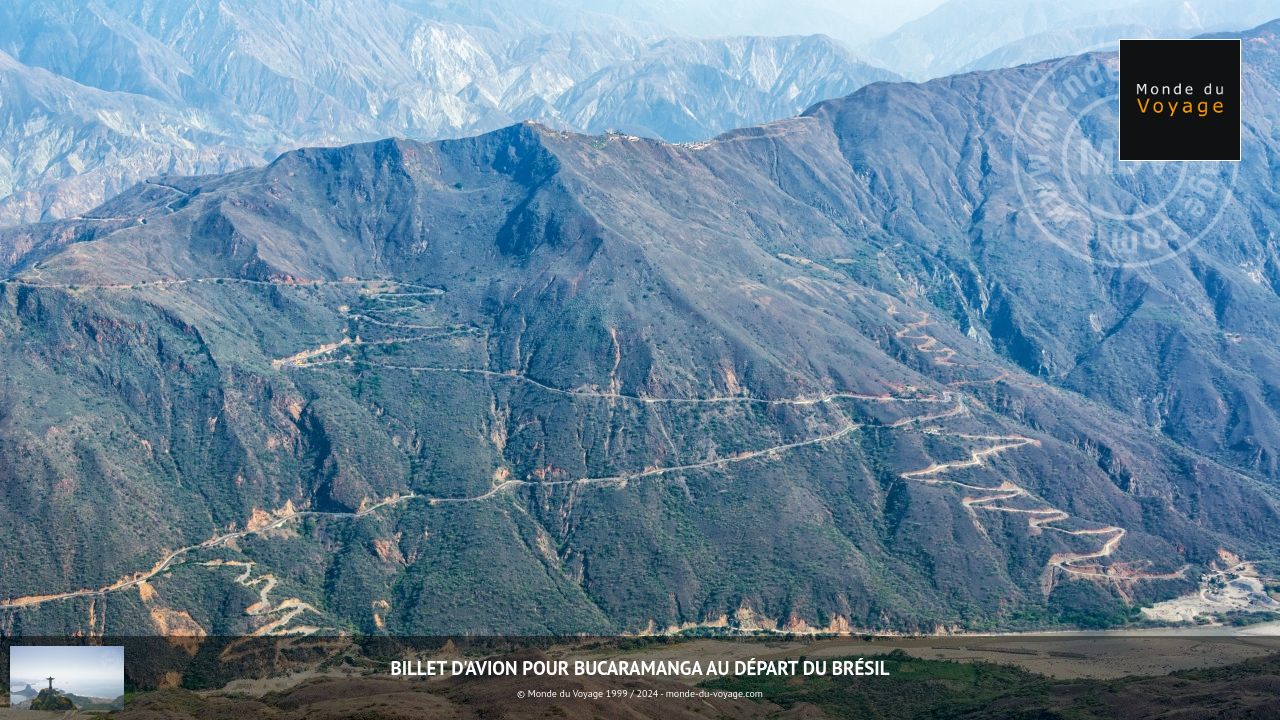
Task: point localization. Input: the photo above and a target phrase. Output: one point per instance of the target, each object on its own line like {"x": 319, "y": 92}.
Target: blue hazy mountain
{"x": 961, "y": 35}
{"x": 100, "y": 95}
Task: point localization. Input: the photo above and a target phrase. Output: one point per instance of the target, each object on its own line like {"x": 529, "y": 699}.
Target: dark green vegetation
{"x": 941, "y": 690}
{"x": 52, "y": 700}
{"x": 819, "y": 374}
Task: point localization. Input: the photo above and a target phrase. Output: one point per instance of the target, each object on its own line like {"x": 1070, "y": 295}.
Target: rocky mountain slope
{"x": 67, "y": 146}
{"x": 101, "y": 95}
{"x": 805, "y": 375}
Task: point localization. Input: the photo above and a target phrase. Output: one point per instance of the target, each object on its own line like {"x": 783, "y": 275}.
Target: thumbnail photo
{"x": 62, "y": 678}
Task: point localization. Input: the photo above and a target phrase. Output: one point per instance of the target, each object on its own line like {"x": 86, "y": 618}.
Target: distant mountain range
{"x": 99, "y": 95}
{"x": 831, "y": 372}
{"x": 965, "y": 35}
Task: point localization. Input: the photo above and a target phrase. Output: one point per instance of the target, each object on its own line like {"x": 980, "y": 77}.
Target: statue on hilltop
{"x": 51, "y": 699}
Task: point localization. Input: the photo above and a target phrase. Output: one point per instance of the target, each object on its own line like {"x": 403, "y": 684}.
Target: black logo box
{"x": 1186, "y": 65}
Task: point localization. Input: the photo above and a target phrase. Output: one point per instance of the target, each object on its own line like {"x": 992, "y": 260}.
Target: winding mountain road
{"x": 999, "y": 498}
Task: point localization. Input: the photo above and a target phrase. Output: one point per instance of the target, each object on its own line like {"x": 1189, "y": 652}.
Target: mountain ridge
{"x": 243, "y": 68}
{"x": 802, "y": 375}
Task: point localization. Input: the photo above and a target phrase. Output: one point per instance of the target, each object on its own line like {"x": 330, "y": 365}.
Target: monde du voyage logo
{"x": 1178, "y": 106}
{"x": 1180, "y": 99}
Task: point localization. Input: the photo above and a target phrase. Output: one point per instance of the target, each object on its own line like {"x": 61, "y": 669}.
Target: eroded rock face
{"x": 101, "y": 97}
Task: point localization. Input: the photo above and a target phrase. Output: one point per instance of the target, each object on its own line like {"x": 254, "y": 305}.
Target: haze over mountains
{"x": 822, "y": 373}
{"x": 100, "y": 95}
{"x": 964, "y": 35}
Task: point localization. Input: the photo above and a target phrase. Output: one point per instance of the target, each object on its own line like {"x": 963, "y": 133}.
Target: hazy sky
{"x": 85, "y": 670}
{"x": 853, "y": 21}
